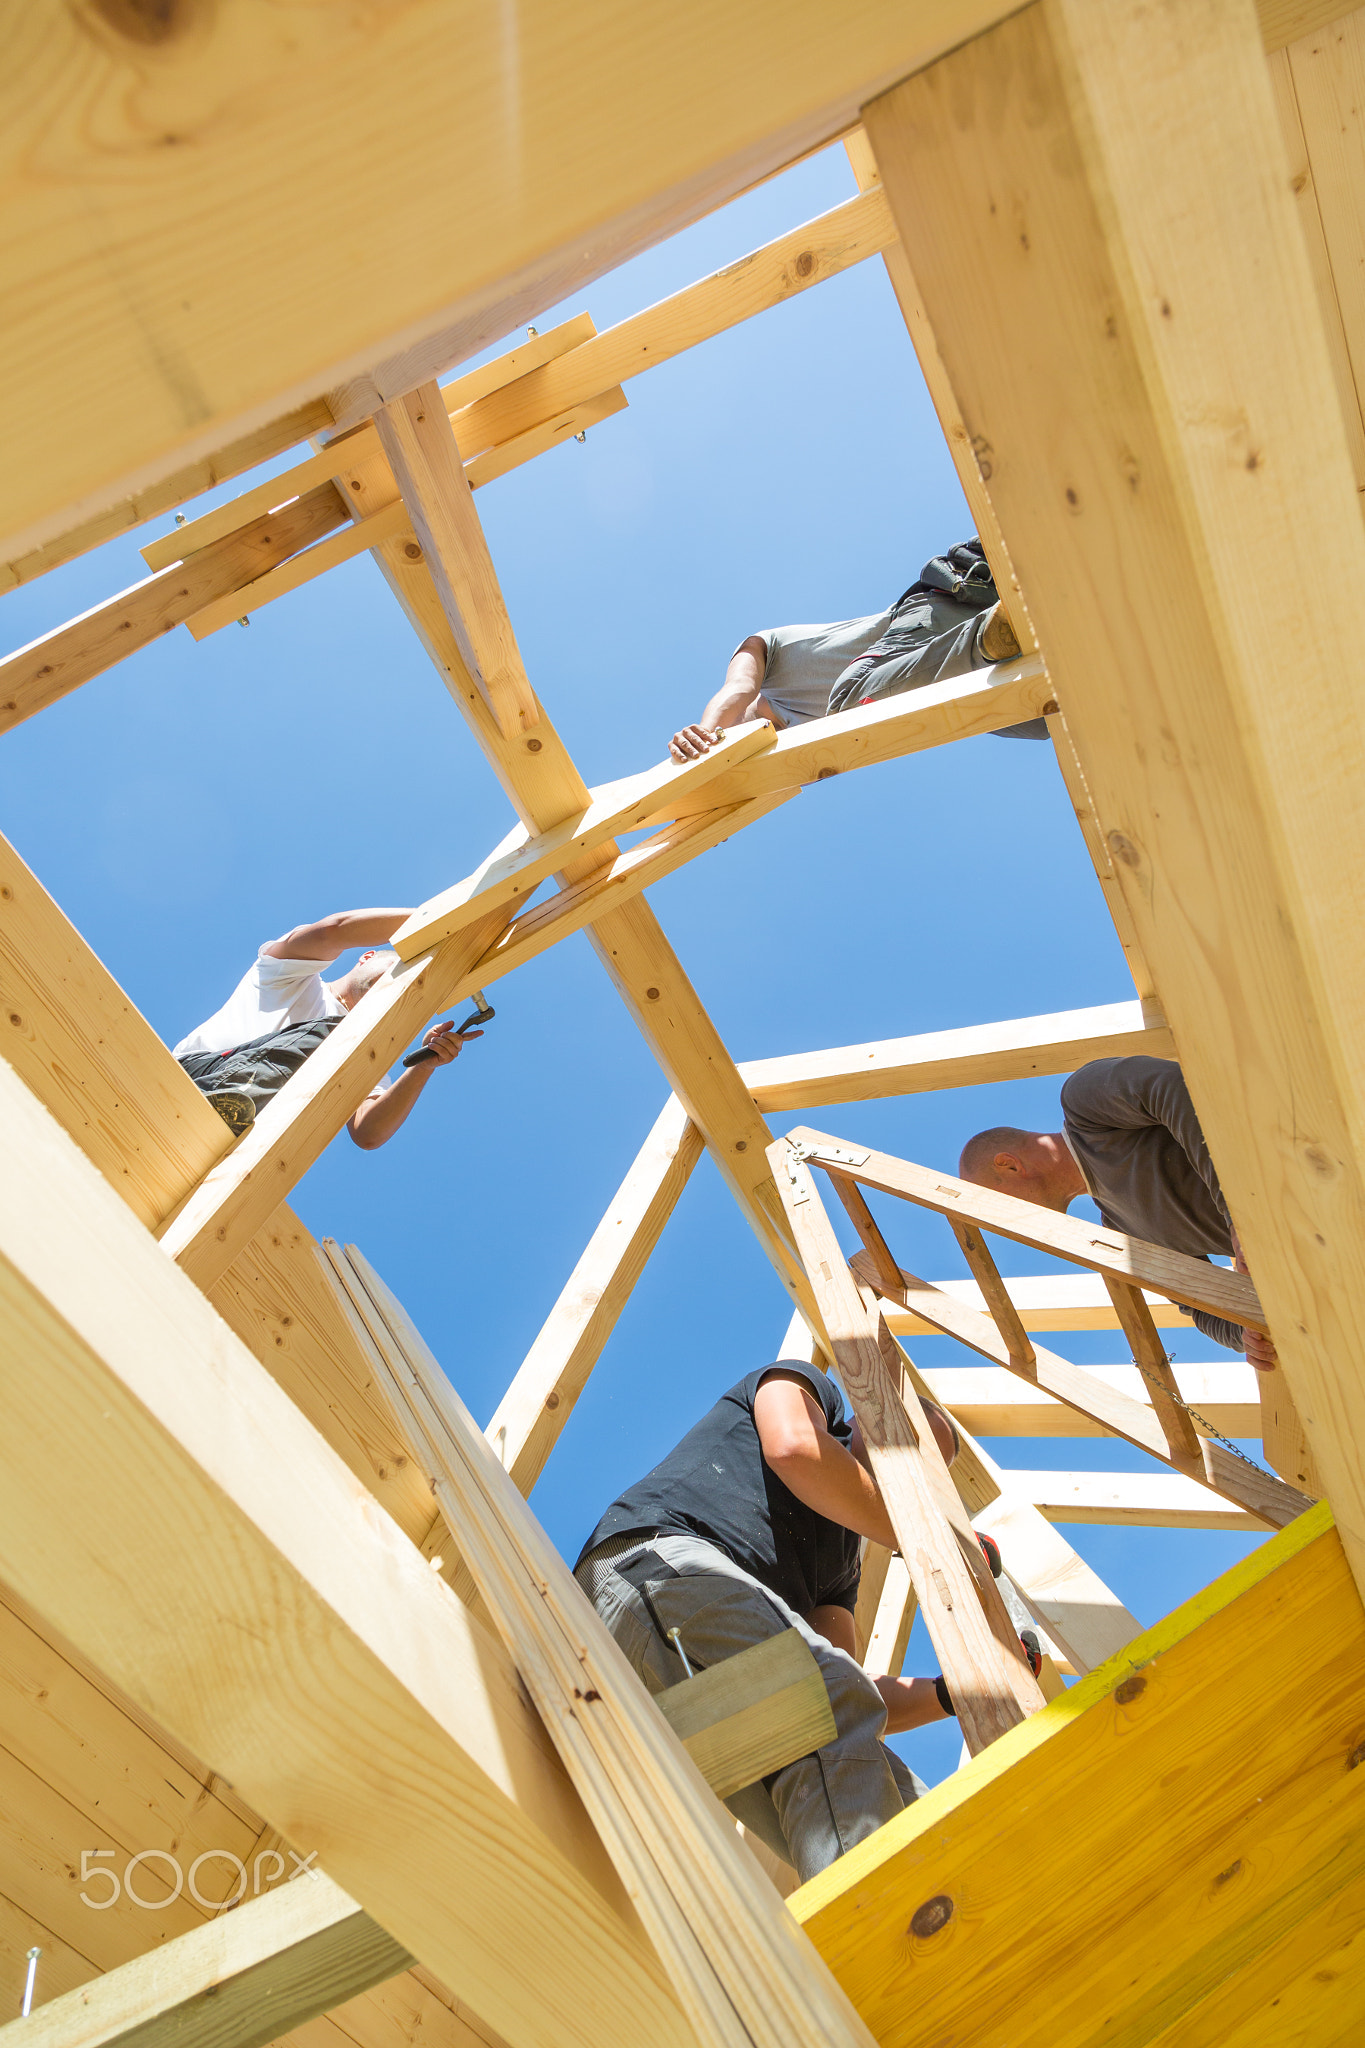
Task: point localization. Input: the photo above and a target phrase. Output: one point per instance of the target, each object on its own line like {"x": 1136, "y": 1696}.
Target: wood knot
{"x": 1356, "y": 1758}
{"x": 146, "y": 21}
{"x": 1132, "y": 1689}
{"x": 934, "y": 1914}
{"x": 1123, "y": 849}
{"x": 411, "y": 548}
{"x": 1226, "y": 1876}
{"x": 533, "y": 746}
{"x": 552, "y": 1400}
{"x": 651, "y": 995}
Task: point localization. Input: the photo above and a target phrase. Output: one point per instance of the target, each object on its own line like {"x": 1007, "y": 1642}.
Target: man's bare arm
{"x": 332, "y": 936}
{"x": 739, "y": 697}
{"x": 385, "y": 1109}
{"x": 806, "y": 1458}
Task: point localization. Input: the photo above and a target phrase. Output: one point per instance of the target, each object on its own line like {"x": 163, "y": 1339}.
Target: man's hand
{"x": 692, "y": 741}
{"x": 1260, "y": 1352}
{"x": 443, "y": 1042}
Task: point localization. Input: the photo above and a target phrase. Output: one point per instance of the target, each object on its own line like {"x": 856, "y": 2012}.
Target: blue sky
{"x": 199, "y": 799}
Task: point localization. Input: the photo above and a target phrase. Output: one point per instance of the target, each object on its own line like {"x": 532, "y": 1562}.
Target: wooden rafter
{"x": 1224, "y": 746}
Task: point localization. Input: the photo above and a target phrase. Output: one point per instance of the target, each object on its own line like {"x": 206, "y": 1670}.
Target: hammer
{"x": 473, "y": 1022}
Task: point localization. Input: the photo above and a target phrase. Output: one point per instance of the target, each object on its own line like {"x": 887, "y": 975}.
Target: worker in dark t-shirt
{"x": 1131, "y": 1140}
{"x": 749, "y": 1527}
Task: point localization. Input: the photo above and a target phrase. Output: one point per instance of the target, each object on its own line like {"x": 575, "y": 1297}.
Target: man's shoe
{"x": 1033, "y": 1650}
{"x": 998, "y": 639}
{"x": 992, "y": 1550}
{"x": 235, "y": 1107}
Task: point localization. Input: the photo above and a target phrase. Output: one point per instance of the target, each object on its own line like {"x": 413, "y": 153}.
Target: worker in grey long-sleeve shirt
{"x": 1131, "y": 1140}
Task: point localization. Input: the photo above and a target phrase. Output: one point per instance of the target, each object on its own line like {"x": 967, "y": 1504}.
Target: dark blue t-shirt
{"x": 716, "y": 1485}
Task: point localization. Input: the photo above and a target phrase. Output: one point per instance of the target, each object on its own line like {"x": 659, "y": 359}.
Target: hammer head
{"x": 480, "y": 1016}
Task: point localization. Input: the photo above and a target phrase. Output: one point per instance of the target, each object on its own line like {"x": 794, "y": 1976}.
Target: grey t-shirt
{"x": 805, "y": 662}
{"x": 1132, "y": 1127}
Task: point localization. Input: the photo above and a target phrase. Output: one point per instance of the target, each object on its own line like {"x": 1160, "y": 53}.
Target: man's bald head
{"x": 980, "y": 1153}
{"x": 1033, "y": 1166}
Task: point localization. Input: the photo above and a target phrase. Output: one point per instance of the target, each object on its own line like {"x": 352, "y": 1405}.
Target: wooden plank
{"x": 511, "y": 876}
{"x": 1065, "y": 1596}
{"x": 959, "y": 709}
{"x": 545, "y": 788}
{"x": 1132, "y": 1500}
{"x": 967, "y": 1057}
{"x": 991, "y": 1401}
{"x": 887, "y": 1643}
{"x": 1327, "y": 70}
{"x": 751, "y": 1714}
{"x": 565, "y": 426}
{"x": 51, "y": 667}
{"x": 995, "y": 1294}
{"x": 1225, "y": 745}
{"x": 872, "y": 1580}
{"x": 416, "y": 435}
{"x": 740, "y": 1971}
{"x": 1276, "y": 1503}
{"x": 1110, "y": 1253}
{"x": 83, "y": 1048}
{"x": 1149, "y": 1356}
{"x": 528, "y": 1419}
{"x": 243, "y": 1980}
{"x": 602, "y": 161}
{"x": 1046, "y": 1301}
{"x": 1168, "y": 1898}
{"x": 234, "y": 1200}
{"x": 232, "y": 460}
{"x": 992, "y": 1688}
{"x": 1283, "y": 83}
{"x": 244, "y": 598}
{"x": 361, "y": 444}
{"x": 309, "y": 1654}
{"x": 1284, "y": 1440}
{"x": 819, "y": 249}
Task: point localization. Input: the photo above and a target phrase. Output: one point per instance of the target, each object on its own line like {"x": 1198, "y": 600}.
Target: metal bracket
{"x": 799, "y": 1153}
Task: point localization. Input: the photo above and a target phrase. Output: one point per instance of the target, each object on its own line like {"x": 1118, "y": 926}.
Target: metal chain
{"x": 1203, "y": 1422}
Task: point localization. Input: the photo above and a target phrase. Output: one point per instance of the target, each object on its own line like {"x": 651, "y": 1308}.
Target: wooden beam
{"x": 1046, "y": 1301}
{"x": 752, "y": 1713}
{"x": 1316, "y": 81}
{"x": 1135, "y": 1500}
{"x": 895, "y": 1616}
{"x": 232, "y": 460}
{"x": 80, "y": 1045}
{"x": 361, "y": 444}
{"x": 271, "y": 1617}
{"x": 741, "y": 1974}
{"x": 234, "y": 1200}
{"x": 530, "y": 1416}
{"x": 246, "y": 1978}
{"x": 959, "y": 709}
{"x": 1066, "y": 1597}
{"x": 968, "y": 1057}
{"x": 993, "y": 1689}
{"x": 1110, "y": 1253}
{"x": 416, "y": 436}
{"x": 511, "y": 875}
{"x": 992, "y": 1401}
{"x": 545, "y": 788}
{"x": 596, "y": 164}
{"x": 1276, "y": 1808}
{"x": 51, "y": 667}
{"x": 1163, "y": 285}
{"x": 1224, "y": 1473}
{"x": 807, "y": 255}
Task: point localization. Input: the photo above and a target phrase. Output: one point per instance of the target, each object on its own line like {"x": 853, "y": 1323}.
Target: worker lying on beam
{"x": 749, "y": 1527}
{"x": 1129, "y": 1139}
{"x": 282, "y": 1009}
{"x": 949, "y": 622}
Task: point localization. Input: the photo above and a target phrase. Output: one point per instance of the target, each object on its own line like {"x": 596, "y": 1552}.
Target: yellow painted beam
{"x": 1138, "y": 1844}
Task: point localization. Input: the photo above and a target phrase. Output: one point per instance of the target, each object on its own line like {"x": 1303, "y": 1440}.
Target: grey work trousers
{"x": 929, "y": 638}
{"x": 262, "y": 1066}
{"x": 811, "y": 1811}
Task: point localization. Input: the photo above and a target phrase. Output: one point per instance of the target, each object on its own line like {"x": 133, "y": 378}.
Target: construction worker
{"x": 282, "y": 1009}
{"x": 1131, "y": 1140}
{"x": 750, "y": 1527}
{"x": 946, "y": 623}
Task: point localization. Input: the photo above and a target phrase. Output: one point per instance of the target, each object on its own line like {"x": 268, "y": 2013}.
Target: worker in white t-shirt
{"x": 282, "y": 1009}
